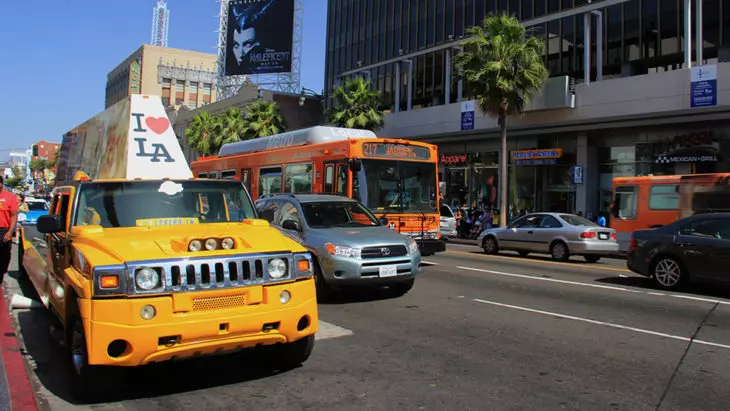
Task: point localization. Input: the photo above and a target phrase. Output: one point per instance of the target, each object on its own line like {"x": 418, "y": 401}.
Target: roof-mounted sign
{"x": 132, "y": 139}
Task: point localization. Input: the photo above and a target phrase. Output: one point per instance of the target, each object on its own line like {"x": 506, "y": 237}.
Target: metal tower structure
{"x": 160, "y": 24}
{"x": 228, "y": 86}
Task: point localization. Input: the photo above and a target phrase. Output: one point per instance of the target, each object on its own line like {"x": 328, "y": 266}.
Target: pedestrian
{"x": 8, "y": 220}
{"x": 22, "y": 214}
{"x": 602, "y": 221}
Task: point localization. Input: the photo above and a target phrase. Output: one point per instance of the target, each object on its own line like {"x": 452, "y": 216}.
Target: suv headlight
{"x": 412, "y": 246}
{"x": 147, "y": 279}
{"x": 343, "y": 251}
{"x": 277, "y": 268}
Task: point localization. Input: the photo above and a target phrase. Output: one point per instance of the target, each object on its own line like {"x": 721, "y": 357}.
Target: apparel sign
{"x": 703, "y": 86}
{"x": 467, "y": 115}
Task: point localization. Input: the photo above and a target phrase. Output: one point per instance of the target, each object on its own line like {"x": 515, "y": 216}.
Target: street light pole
{"x": 311, "y": 93}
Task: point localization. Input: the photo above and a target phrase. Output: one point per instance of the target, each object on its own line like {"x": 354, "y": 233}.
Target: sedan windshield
{"x": 162, "y": 203}
{"x": 338, "y": 214}
{"x": 578, "y": 221}
{"x": 396, "y": 186}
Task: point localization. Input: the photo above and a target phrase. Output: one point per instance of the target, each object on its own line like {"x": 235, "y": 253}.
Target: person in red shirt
{"x": 8, "y": 220}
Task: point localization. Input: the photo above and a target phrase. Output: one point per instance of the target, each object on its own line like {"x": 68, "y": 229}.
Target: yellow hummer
{"x": 143, "y": 263}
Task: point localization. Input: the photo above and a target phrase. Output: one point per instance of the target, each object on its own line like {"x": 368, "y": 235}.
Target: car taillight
{"x": 633, "y": 245}
{"x": 613, "y": 236}
{"x": 588, "y": 234}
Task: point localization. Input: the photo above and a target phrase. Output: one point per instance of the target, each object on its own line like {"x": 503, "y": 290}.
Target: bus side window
{"x": 298, "y": 178}
{"x": 202, "y": 175}
{"x": 269, "y": 180}
{"x": 342, "y": 179}
{"x": 664, "y": 197}
{"x": 229, "y": 174}
{"x": 329, "y": 179}
{"x": 625, "y": 202}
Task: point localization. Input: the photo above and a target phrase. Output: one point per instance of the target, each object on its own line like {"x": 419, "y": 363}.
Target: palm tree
{"x": 504, "y": 68}
{"x": 233, "y": 126}
{"x": 263, "y": 119}
{"x": 356, "y": 106}
{"x": 203, "y": 134}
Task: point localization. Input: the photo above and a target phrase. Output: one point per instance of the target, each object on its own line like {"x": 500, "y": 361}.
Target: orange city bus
{"x": 655, "y": 201}
{"x": 396, "y": 179}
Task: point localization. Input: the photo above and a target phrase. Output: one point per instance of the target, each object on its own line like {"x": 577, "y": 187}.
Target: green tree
{"x": 263, "y": 119}
{"x": 232, "y": 126}
{"x": 356, "y": 106}
{"x": 504, "y": 68}
{"x": 203, "y": 134}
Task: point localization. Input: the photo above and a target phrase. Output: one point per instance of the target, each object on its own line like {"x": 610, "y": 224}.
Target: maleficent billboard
{"x": 259, "y": 36}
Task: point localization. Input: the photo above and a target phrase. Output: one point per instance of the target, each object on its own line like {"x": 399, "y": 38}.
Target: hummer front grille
{"x": 196, "y": 274}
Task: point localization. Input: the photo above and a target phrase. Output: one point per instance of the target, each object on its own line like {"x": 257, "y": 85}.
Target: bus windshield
{"x": 162, "y": 203}
{"x": 396, "y": 186}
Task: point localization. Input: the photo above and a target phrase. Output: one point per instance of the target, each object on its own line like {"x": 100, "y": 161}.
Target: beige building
{"x": 180, "y": 77}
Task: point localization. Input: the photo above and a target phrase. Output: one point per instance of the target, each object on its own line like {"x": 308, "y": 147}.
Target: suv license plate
{"x": 388, "y": 271}
{"x": 603, "y": 236}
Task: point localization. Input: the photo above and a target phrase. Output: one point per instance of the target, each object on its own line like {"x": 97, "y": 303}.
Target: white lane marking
{"x": 327, "y": 330}
{"x": 707, "y": 300}
{"x": 603, "y": 323}
{"x": 553, "y": 280}
{"x": 428, "y": 263}
{"x": 653, "y": 293}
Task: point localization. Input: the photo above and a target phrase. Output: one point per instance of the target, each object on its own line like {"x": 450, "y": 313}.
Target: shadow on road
{"x": 48, "y": 358}
{"x": 358, "y": 295}
{"x": 698, "y": 288}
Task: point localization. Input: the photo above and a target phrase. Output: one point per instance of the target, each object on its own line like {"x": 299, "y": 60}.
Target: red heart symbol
{"x": 157, "y": 124}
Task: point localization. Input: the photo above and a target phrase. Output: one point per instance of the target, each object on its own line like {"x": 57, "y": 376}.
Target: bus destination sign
{"x": 390, "y": 150}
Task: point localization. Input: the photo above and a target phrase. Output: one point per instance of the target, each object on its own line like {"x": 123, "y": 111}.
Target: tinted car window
{"x": 708, "y": 228}
{"x": 446, "y": 211}
{"x": 530, "y": 221}
{"x": 577, "y": 221}
{"x": 549, "y": 221}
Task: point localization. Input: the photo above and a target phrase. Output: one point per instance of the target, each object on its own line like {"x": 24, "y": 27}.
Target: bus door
{"x": 335, "y": 178}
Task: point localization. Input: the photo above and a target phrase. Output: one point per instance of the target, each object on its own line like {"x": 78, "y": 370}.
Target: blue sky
{"x": 58, "y": 54}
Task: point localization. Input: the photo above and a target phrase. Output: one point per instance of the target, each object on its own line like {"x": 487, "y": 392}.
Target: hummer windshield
{"x": 162, "y": 203}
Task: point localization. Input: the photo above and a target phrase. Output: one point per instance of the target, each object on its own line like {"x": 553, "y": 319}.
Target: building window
{"x": 207, "y": 91}
{"x": 193, "y": 94}
{"x": 166, "y": 85}
{"x": 179, "y": 92}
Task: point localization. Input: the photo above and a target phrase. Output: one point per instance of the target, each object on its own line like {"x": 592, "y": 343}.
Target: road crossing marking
{"x": 607, "y": 287}
{"x": 603, "y": 323}
{"x": 526, "y": 260}
{"x": 327, "y": 331}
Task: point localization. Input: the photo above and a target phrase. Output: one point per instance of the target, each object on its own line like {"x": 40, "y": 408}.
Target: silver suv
{"x": 351, "y": 247}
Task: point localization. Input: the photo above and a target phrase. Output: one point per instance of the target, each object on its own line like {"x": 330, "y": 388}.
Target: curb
{"x": 21, "y": 394}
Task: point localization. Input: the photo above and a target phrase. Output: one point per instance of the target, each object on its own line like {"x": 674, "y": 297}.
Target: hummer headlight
{"x": 211, "y": 244}
{"x": 277, "y": 268}
{"x": 195, "y": 246}
{"x": 227, "y": 243}
{"x": 147, "y": 279}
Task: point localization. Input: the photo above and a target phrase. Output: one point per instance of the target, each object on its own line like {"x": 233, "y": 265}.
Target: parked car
{"x": 448, "y": 223}
{"x": 351, "y": 247}
{"x": 693, "y": 247}
{"x": 36, "y": 207}
{"x": 559, "y": 234}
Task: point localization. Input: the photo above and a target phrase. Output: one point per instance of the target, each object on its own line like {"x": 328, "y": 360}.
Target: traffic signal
{"x": 35, "y": 150}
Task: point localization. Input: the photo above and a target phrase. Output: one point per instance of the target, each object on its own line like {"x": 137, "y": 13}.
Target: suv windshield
{"x": 396, "y": 186}
{"x": 578, "y": 221}
{"x": 338, "y": 214}
{"x": 162, "y": 203}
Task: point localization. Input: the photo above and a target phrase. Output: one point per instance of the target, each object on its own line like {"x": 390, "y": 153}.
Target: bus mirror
{"x": 355, "y": 165}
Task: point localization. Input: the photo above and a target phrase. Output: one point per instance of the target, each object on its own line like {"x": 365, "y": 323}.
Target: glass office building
{"x": 640, "y": 36}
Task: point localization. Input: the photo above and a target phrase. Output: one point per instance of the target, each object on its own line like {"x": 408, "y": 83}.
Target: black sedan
{"x": 694, "y": 247}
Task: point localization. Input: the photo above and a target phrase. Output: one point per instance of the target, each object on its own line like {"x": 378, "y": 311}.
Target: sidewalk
{"x": 16, "y": 392}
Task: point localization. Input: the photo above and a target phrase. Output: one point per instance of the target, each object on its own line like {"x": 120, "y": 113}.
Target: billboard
{"x": 259, "y": 37}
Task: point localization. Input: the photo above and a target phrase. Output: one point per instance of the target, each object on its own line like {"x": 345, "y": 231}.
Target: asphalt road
{"x": 476, "y": 332}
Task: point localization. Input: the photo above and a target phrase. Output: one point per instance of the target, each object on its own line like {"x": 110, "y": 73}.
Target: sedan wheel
{"x": 490, "y": 245}
{"x": 559, "y": 251}
{"x": 668, "y": 273}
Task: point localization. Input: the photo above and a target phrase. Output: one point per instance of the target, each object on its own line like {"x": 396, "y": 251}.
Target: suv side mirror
{"x": 290, "y": 225}
{"x": 50, "y": 223}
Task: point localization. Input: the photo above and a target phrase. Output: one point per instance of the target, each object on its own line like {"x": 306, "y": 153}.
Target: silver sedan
{"x": 559, "y": 234}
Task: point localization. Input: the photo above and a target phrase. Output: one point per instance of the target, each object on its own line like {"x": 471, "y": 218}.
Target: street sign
{"x": 467, "y": 115}
{"x": 703, "y": 86}
{"x": 578, "y": 177}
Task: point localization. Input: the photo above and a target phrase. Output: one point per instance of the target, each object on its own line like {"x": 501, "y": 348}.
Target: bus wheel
{"x": 292, "y": 355}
